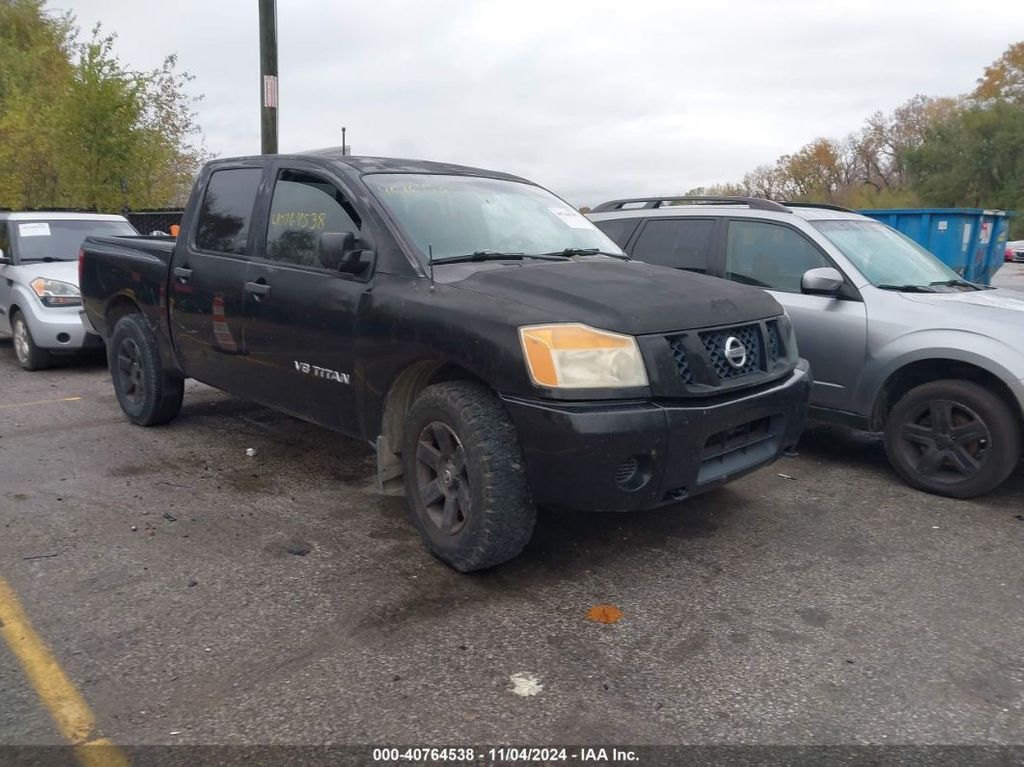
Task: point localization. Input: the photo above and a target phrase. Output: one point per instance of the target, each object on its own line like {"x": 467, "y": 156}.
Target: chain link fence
{"x": 150, "y": 221}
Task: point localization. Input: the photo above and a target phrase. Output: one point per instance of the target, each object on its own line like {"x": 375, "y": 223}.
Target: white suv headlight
{"x": 55, "y": 292}
{"x": 576, "y": 356}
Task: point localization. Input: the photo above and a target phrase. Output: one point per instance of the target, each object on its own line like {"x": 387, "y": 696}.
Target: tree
{"x": 78, "y": 128}
{"x": 34, "y": 70}
{"x": 1004, "y": 77}
{"x": 974, "y": 157}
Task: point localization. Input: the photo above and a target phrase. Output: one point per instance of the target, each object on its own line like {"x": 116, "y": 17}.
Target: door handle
{"x": 257, "y": 288}
{"x": 183, "y": 273}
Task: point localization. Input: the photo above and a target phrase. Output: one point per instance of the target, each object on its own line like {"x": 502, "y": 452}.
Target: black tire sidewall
{"x": 502, "y": 512}
{"x": 153, "y": 406}
{"x": 1003, "y": 426}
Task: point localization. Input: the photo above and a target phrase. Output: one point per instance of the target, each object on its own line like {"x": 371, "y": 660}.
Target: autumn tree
{"x": 1004, "y": 78}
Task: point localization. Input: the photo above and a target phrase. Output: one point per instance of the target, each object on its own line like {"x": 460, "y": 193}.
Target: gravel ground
{"x": 198, "y": 595}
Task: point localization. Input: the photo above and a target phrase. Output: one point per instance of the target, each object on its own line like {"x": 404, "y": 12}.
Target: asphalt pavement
{"x": 196, "y": 594}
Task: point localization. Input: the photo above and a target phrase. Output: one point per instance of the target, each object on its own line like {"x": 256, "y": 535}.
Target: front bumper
{"x": 608, "y": 456}
{"x": 58, "y": 330}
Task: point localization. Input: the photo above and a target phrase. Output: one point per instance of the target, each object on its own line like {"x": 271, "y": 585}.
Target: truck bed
{"x": 133, "y": 267}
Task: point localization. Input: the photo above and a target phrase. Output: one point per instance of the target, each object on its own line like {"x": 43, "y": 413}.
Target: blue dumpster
{"x": 969, "y": 240}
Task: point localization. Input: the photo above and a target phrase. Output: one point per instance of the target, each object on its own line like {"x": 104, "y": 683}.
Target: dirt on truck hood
{"x": 623, "y": 296}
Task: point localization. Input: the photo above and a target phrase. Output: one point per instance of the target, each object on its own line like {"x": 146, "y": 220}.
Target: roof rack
{"x": 822, "y": 205}
{"x": 756, "y": 203}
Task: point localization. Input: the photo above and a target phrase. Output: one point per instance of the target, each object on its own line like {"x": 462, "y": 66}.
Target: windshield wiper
{"x": 494, "y": 255}
{"x": 45, "y": 259}
{"x": 587, "y": 252}
{"x": 957, "y": 284}
{"x": 906, "y": 288}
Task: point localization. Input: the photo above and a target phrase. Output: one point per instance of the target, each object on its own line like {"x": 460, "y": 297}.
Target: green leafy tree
{"x": 80, "y": 129}
{"x": 974, "y": 158}
{"x": 34, "y": 71}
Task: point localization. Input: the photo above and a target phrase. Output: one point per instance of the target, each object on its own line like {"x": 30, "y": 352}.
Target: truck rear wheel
{"x": 465, "y": 477}
{"x": 30, "y": 356}
{"x": 953, "y": 438}
{"x": 147, "y": 395}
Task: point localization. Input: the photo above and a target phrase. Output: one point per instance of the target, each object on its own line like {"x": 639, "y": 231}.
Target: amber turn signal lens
{"x": 573, "y": 355}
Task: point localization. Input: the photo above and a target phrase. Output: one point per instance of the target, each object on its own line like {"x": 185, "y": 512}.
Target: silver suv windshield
{"x": 887, "y": 258}
{"x": 456, "y": 216}
{"x": 60, "y": 239}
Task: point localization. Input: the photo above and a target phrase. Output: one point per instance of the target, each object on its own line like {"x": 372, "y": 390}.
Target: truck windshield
{"x": 888, "y": 258}
{"x": 452, "y": 216}
{"x": 59, "y": 240}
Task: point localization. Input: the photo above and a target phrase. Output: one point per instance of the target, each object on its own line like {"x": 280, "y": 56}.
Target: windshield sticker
{"x": 38, "y": 229}
{"x": 571, "y": 218}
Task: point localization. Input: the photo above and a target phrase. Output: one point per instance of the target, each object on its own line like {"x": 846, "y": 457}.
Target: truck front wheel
{"x": 147, "y": 395}
{"x": 953, "y": 438}
{"x": 465, "y": 478}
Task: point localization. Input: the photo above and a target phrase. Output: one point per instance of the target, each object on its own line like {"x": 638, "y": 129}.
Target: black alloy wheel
{"x": 945, "y": 441}
{"x": 443, "y": 478}
{"x": 953, "y": 437}
{"x": 129, "y": 371}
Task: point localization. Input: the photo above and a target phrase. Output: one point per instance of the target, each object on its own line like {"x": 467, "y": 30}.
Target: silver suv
{"x": 897, "y": 341}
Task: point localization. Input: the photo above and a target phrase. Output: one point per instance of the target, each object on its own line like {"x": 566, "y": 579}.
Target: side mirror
{"x": 824, "y": 281}
{"x": 342, "y": 252}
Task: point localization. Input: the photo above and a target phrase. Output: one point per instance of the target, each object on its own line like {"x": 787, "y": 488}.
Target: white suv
{"x": 39, "y": 299}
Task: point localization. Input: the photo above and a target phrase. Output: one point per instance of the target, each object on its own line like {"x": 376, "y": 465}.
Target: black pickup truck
{"x": 494, "y": 347}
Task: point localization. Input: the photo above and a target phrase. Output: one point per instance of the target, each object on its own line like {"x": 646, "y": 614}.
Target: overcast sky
{"x": 594, "y": 100}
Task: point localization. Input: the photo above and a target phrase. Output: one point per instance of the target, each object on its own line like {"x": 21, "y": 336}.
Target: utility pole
{"x": 268, "y": 76}
{"x": 343, "y": 152}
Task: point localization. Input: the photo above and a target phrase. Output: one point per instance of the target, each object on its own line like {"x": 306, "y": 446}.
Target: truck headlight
{"x": 575, "y": 356}
{"x": 55, "y": 292}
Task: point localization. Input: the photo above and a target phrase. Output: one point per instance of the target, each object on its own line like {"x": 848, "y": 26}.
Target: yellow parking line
{"x": 67, "y": 707}
{"x": 40, "y": 402}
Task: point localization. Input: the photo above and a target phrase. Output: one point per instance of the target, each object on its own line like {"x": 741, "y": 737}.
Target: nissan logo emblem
{"x": 735, "y": 352}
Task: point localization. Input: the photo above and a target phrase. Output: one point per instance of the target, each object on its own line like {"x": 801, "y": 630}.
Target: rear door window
{"x": 681, "y": 243}
{"x": 226, "y": 212}
{"x": 771, "y": 256}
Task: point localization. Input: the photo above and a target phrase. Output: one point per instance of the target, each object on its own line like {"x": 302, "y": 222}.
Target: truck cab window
{"x": 305, "y": 206}
{"x": 223, "y": 224}
{"x": 769, "y": 256}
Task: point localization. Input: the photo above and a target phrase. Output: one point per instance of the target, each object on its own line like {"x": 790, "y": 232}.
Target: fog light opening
{"x": 633, "y": 473}
{"x": 63, "y": 338}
